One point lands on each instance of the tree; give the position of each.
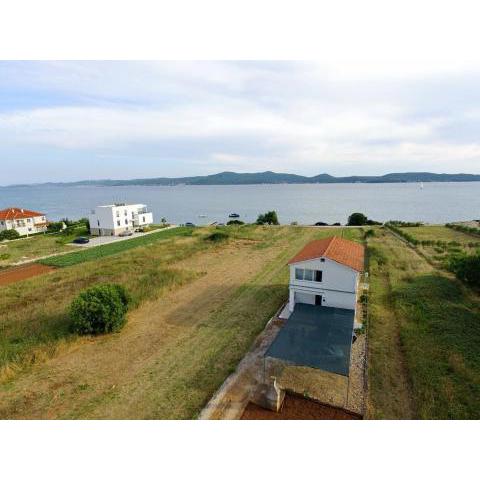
(235, 222)
(100, 309)
(269, 218)
(357, 219)
(163, 220)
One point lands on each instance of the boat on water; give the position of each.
(234, 215)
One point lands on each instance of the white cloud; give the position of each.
(297, 117)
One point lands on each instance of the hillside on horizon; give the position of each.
(269, 177)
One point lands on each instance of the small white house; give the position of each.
(117, 218)
(24, 221)
(326, 272)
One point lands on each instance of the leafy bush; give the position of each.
(9, 235)
(369, 233)
(235, 222)
(54, 226)
(466, 268)
(269, 218)
(399, 223)
(218, 236)
(100, 309)
(4, 256)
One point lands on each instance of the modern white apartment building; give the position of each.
(24, 221)
(117, 218)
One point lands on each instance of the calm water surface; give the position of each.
(306, 204)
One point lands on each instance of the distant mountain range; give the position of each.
(232, 178)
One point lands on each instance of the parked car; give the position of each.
(81, 240)
(126, 233)
(139, 230)
(189, 224)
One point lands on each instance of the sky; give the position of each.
(67, 121)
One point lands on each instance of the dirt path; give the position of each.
(23, 272)
(172, 355)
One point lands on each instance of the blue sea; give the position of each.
(305, 204)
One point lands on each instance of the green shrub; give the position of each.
(9, 235)
(466, 268)
(218, 236)
(4, 256)
(100, 309)
(235, 222)
(54, 227)
(269, 218)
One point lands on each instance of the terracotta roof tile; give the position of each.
(15, 213)
(338, 249)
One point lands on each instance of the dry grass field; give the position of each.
(199, 306)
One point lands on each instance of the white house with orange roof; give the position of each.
(24, 221)
(326, 272)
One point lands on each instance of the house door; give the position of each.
(318, 300)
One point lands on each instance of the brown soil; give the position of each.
(298, 408)
(16, 274)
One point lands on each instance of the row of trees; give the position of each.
(463, 228)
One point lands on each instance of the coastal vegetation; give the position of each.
(269, 218)
(95, 253)
(198, 298)
(196, 307)
(100, 309)
(359, 219)
(464, 228)
(9, 235)
(424, 360)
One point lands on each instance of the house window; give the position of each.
(308, 275)
(126, 221)
(118, 223)
(118, 213)
(143, 219)
(125, 212)
(29, 220)
(98, 222)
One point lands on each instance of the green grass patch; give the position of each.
(440, 336)
(95, 253)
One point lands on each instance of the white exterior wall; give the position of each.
(114, 219)
(338, 287)
(25, 226)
